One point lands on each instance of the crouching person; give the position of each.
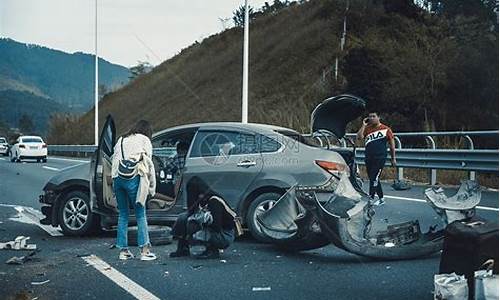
(209, 221)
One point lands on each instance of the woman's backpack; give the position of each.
(127, 168)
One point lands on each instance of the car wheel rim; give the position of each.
(262, 208)
(75, 213)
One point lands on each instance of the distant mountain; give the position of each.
(15, 104)
(65, 78)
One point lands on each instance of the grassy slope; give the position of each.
(288, 54)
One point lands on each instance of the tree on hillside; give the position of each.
(4, 129)
(141, 68)
(26, 124)
(239, 16)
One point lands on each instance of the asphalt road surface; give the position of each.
(86, 268)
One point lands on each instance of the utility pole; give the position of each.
(244, 96)
(96, 87)
(342, 40)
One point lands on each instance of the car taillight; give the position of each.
(44, 146)
(332, 167)
(22, 146)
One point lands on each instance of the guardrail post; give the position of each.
(399, 170)
(472, 174)
(432, 172)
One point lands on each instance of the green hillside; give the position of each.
(421, 69)
(65, 78)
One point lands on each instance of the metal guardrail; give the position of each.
(470, 159)
(446, 159)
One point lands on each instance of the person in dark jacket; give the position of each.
(217, 234)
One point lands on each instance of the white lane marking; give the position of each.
(121, 280)
(50, 168)
(68, 159)
(29, 215)
(1, 158)
(421, 200)
(73, 166)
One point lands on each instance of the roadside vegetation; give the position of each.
(425, 65)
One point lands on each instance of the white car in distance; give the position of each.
(29, 147)
(4, 146)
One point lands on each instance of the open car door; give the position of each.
(100, 170)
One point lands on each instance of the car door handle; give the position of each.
(246, 163)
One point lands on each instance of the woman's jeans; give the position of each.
(126, 192)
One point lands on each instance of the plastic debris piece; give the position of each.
(389, 245)
(20, 243)
(223, 261)
(278, 256)
(112, 246)
(196, 267)
(261, 289)
(20, 260)
(388, 267)
(40, 282)
(401, 185)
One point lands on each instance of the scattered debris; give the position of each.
(388, 267)
(278, 256)
(401, 185)
(261, 289)
(20, 243)
(223, 261)
(112, 246)
(20, 260)
(389, 245)
(83, 255)
(196, 267)
(167, 273)
(40, 274)
(40, 282)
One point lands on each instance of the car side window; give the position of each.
(215, 143)
(268, 144)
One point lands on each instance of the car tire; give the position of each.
(85, 222)
(260, 204)
(158, 235)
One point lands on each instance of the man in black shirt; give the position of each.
(376, 136)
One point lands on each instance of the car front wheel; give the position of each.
(75, 215)
(259, 205)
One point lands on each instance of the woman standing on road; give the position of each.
(133, 180)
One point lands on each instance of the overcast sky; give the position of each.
(126, 28)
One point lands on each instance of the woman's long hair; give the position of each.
(142, 127)
(198, 191)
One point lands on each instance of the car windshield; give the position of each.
(32, 140)
(2, 141)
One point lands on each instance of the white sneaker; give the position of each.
(148, 256)
(379, 202)
(125, 254)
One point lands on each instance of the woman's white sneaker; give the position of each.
(148, 256)
(126, 254)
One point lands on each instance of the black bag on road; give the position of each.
(467, 245)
